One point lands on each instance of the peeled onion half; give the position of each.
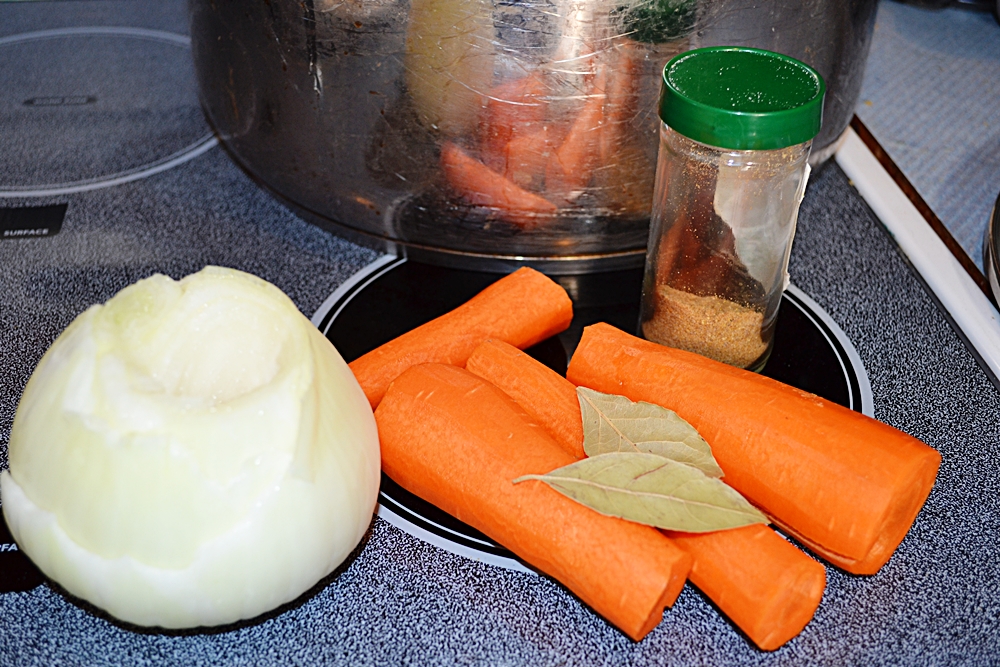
(191, 453)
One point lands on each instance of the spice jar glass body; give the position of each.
(720, 237)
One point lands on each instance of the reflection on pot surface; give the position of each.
(483, 128)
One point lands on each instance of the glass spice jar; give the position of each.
(737, 126)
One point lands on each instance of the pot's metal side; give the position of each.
(832, 36)
(294, 105)
(991, 246)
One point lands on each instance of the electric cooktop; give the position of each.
(109, 173)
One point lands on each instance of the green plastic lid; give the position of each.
(741, 98)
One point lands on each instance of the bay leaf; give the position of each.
(649, 489)
(616, 424)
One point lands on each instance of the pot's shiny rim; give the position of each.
(553, 265)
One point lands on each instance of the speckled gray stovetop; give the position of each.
(401, 601)
(930, 98)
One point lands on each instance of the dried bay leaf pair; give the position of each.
(646, 464)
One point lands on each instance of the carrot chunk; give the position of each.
(549, 398)
(482, 186)
(759, 580)
(571, 167)
(846, 485)
(459, 442)
(527, 155)
(522, 309)
(516, 107)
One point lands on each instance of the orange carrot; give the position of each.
(759, 580)
(847, 486)
(622, 63)
(623, 178)
(516, 107)
(571, 166)
(482, 186)
(522, 309)
(526, 157)
(549, 398)
(459, 442)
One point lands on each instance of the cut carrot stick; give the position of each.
(480, 185)
(760, 581)
(623, 178)
(846, 485)
(527, 155)
(522, 309)
(458, 442)
(622, 88)
(549, 398)
(516, 107)
(571, 166)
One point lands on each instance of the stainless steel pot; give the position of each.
(484, 131)
(991, 251)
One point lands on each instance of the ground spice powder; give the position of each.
(718, 328)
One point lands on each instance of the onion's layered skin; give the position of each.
(191, 453)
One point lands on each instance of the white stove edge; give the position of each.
(954, 289)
